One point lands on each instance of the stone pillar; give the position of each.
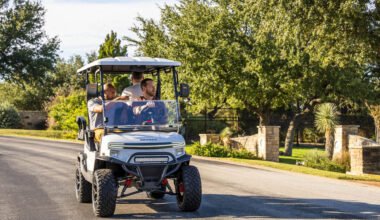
(213, 138)
(341, 139)
(269, 142)
(364, 155)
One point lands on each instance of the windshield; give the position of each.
(142, 115)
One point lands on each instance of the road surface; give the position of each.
(37, 182)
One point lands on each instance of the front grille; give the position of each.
(152, 173)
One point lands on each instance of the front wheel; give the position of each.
(104, 193)
(189, 189)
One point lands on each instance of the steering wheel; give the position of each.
(148, 112)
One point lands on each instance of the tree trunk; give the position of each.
(300, 134)
(290, 136)
(377, 130)
(264, 118)
(294, 123)
(329, 145)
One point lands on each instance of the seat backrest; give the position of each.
(92, 91)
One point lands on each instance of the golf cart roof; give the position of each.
(128, 65)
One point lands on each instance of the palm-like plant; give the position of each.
(326, 118)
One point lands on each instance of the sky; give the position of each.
(82, 25)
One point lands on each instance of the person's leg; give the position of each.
(98, 134)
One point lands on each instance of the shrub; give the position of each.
(64, 110)
(319, 160)
(9, 117)
(214, 150)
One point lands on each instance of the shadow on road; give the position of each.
(231, 206)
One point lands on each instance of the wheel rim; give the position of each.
(94, 195)
(77, 182)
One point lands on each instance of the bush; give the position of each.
(318, 160)
(9, 117)
(214, 150)
(63, 111)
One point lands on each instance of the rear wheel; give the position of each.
(104, 193)
(82, 187)
(189, 189)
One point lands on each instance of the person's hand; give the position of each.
(150, 104)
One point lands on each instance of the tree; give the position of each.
(225, 59)
(112, 47)
(26, 52)
(264, 55)
(65, 78)
(31, 96)
(332, 45)
(326, 118)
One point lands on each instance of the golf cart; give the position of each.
(141, 146)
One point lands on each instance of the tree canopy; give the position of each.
(26, 52)
(263, 55)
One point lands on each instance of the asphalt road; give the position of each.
(37, 182)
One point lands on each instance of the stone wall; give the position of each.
(341, 139)
(213, 138)
(365, 155)
(247, 142)
(269, 142)
(33, 119)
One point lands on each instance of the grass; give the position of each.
(288, 163)
(299, 153)
(47, 134)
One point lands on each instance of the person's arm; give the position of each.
(98, 109)
(122, 98)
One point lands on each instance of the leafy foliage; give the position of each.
(319, 160)
(112, 47)
(64, 110)
(263, 55)
(26, 52)
(65, 77)
(214, 150)
(9, 118)
(26, 97)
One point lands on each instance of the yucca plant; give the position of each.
(225, 136)
(326, 118)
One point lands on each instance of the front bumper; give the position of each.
(150, 172)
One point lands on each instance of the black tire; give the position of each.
(191, 196)
(82, 187)
(104, 193)
(157, 194)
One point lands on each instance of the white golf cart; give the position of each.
(141, 146)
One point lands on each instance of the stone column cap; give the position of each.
(341, 126)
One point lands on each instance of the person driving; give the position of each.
(95, 111)
(158, 109)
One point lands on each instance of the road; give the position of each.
(37, 182)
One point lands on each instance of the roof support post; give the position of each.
(175, 79)
(103, 100)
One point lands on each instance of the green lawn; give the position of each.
(299, 152)
(48, 134)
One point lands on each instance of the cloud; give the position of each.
(82, 25)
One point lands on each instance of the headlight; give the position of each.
(179, 151)
(114, 153)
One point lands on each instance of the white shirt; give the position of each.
(133, 92)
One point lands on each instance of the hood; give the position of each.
(144, 137)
